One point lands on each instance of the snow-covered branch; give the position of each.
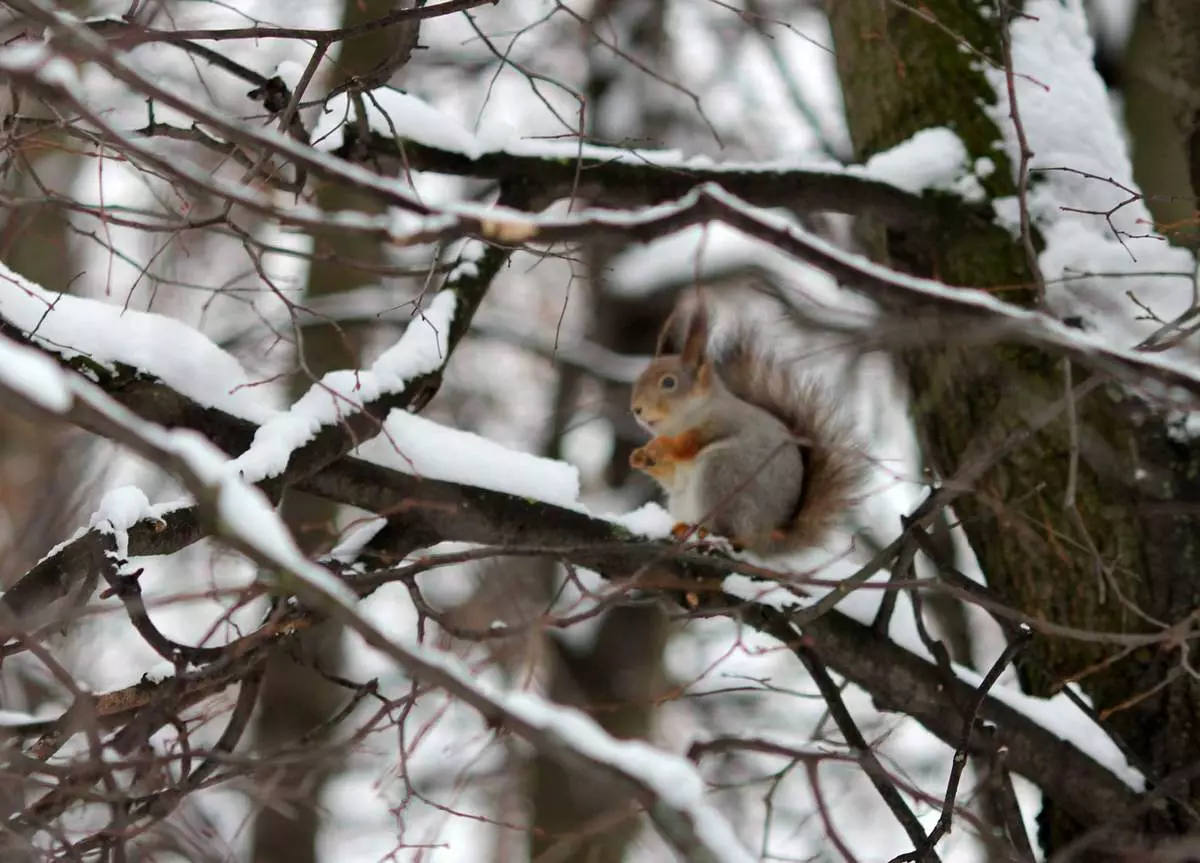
(897, 678)
(243, 518)
(709, 202)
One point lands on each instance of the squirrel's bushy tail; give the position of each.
(834, 461)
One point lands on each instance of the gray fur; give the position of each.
(771, 439)
(749, 480)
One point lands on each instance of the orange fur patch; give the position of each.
(660, 455)
(682, 447)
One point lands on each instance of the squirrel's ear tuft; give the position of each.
(671, 336)
(687, 320)
(695, 343)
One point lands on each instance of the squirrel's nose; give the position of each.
(637, 411)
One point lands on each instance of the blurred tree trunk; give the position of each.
(295, 697)
(617, 676)
(1156, 145)
(1179, 30)
(40, 463)
(35, 242)
(1136, 488)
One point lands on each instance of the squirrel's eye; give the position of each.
(667, 382)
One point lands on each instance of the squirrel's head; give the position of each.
(673, 392)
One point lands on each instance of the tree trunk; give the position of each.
(295, 698)
(901, 73)
(1153, 120)
(39, 465)
(617, 677)
(1179, 29)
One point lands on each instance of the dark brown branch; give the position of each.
(426, 511)
(1003, 810)
(925, 851)
(618, 182)
(604, 182)
(128, 589)
(855, 740)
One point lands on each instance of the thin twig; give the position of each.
(924, 852)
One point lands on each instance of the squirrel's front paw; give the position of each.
(683, 531)
(654, 453)
(704, 540)
(642, 458)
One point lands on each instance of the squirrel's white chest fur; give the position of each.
(686, 498)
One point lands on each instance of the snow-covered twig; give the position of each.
(295, 445)
(126, 33)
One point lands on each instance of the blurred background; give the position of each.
(545, 370)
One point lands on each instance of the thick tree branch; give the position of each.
(673, 799)
(428, 511)
(55, 576)
(543, 180)
(618, 180)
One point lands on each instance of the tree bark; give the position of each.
(901, 73)
(1156, 134)
(39, 466)
(1179, 28)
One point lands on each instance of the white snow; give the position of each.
(765, 593)
(27, 56)
(1069, 122)
(395, 114)
(33, 375)
(165, 669)
(468, 255)
(246, 513)
(16, 717)
(290, 72)
(1058, 715)
(157, 345)
(699, 249)
(649, 520)
(355, 540)
(931, 159)
(421, 349)
(419, 446)
(243, 510)
(1047, 330)
(671, 777)
(160, 671)
(120, 509)
(934, 158)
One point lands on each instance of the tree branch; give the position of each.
(427, 511)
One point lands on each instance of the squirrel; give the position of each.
(742, 448)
